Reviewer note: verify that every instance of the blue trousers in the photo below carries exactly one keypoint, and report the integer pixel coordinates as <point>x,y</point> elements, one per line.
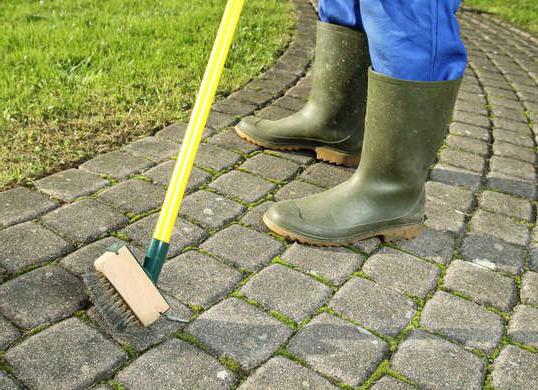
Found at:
<point>408,39</point>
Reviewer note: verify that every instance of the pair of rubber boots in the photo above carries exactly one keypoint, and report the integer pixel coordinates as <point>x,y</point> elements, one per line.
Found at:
<point>405,125</point>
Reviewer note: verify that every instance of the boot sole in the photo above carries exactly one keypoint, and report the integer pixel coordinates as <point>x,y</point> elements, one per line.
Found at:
<point>323,153</point>
<point>406,232</point>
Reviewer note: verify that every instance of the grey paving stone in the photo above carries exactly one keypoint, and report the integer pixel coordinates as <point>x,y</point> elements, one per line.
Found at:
<point>481,284</point>
<point>85,221</point>
<point>68,355</point>
<point>297,189</point>
<point>529,288</point>
<point>389,383</point>
<point>283,289</point>
<point>230,140</point>
<point>506,204</point>
<point>499,226</point>
<point>8,334</point>
<point>234,107</point>
<point>511,185</point>
<point>338,349</point>
<point>280,373</point>
<point>463,321</point>
<point>22,204</point>
<point>431,244</point>
<point>442,218</point>
<point>198,279</point>
<point>513,168</point>
<point>456,198</point>
<point>142,338</point>
<point>215,158</point>
<point>402,272</point>
<point>6,383</point>
<point>455,176</point>
<point>473,119</point>
<point>469,130</point>
<point>118,165</point>
<point>434,363</point>
<point>247,187</point>
<point>515,368</point>
<point>184,233</point>
<point>82,260</point>
<point>29,244</point>
<point>257,98</point>
<point>238,330</point>
<point>70,184</point>
<point>368,246</point>
<point>45,295</point>
<point>153,148</point>
<point>253,217</point>
<point>507,136</point>
<point>467,144</point>
<point>517,152</point>
<point>210,210</point>
<point>461,159</point>
<point>373,306</point>
<point>218,120</point>
<point>326,175</point>
<point>246,248</point>
<point>274,113</point>
<point>162,173</point>
<point>523,326</point>
<point>290,103</point>
<point>334,264</point>
<point>493,253</point>
<point>176,131</point>
<point>271,167</point>
<point>176,364</point>
<point>134,196</point>
<point>303,157</point>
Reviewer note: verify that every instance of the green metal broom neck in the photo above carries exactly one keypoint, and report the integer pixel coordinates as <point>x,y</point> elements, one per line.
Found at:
<point>155,257</point>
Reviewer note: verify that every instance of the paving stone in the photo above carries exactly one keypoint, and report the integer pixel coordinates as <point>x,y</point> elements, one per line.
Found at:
<point>142,338</point>
<point>303,157</point>
<point>469,130</point>
<point>499,226</point>
<point>373,306</point>
<point>290,103</point>
<point>442,218</point>
<point>230,140</point>
<point>68,355</point>
<point>473,119</point>
<point>493,253</point>
<point>198,279</point>
<point>246,248</point>
<point>176,131</point>
<point>274,113</point>
<point>210,210</point>
<point>6,383</point>
<point>334,264</point>
<point>513,168</point>
<point>257,98</point>
<point>253,217</point>
<point>184,233</point>
<point>481,284</point>
<point>504,149</point>
<point>529,288</point>
<point>238,330</point>
<point>29,244</point>
<point>271,167</point>
<point>282,289</point>
<point>463,321</point>
<point>71,184</point>
<point>153,148</point>
<point>218,120</point>
<point>368,246</point>
<point>280,373</point>
<point>82,260</point>
<point>85,221</point>
<point>22,204</point>
<point>8,334</point>
<point>389,383</point>
<point>512,185</point>
<point>515,368</point>
<point>431,244</point>
<point>455,176</point>
<point>247,187</point>
<point>326,175</point>
<point>524,325</point>
<point>461,159</point>
<point>402,272</point>
<point>234,107</point>
<point>338,349</point>
<point>118,165</point>
<point>468,144</point>
<point>506,204</point>
<point>45,295</point>
<point>501,135</point>
<point>215,158</point>
<point>434,363</point>
<point>134,196</point>
<point>449,196</point>
<point>297,189</point>
<point>176,364</point>
<point>162,173</point>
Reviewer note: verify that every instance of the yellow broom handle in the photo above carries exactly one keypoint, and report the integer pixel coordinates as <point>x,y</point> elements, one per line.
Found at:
<point>198,121</point>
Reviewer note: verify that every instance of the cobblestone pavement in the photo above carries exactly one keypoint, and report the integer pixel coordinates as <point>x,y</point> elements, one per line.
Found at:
<point>456,308</point>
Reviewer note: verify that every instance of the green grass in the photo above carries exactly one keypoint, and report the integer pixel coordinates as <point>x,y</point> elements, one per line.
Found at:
<point>523,13</point>
<point>81,77</point>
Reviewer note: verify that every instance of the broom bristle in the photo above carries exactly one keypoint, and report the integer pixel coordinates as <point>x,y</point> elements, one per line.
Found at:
<point>109,303</point>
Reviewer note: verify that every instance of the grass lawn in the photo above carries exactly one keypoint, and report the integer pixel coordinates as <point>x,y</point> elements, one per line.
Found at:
<point>523,13</point>
<point>81,77</point>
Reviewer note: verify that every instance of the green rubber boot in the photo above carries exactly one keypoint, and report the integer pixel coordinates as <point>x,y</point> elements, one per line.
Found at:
<point>332,121</point>
<point>406,122</point>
